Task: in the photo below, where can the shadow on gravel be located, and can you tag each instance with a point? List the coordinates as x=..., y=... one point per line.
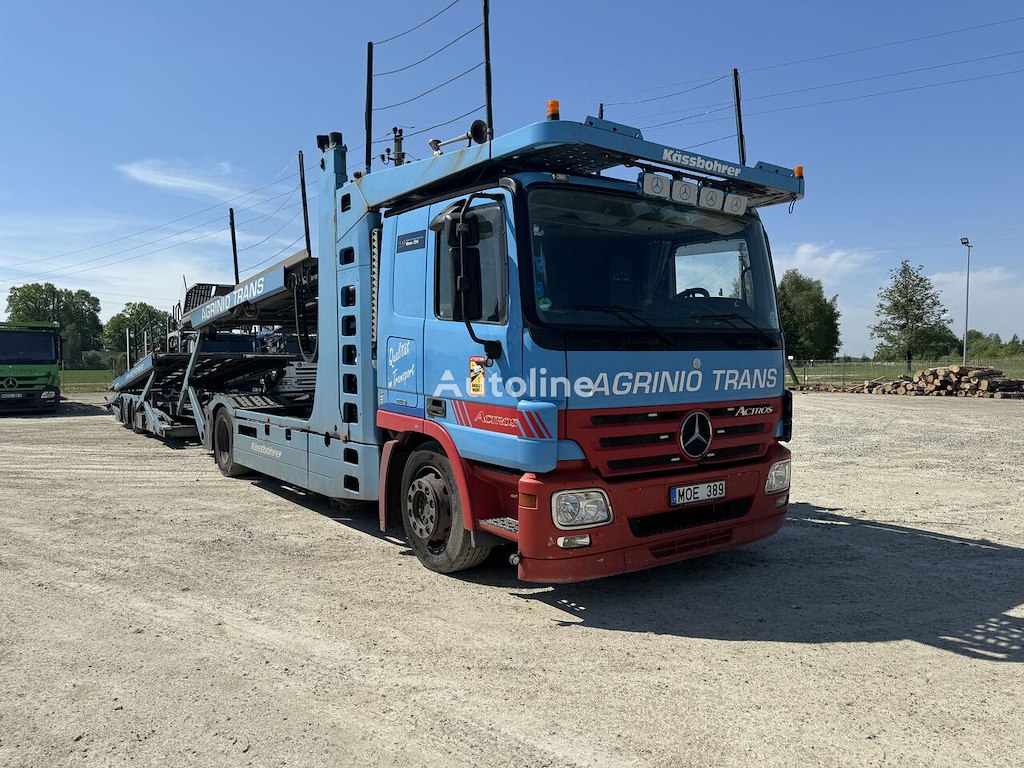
x=67, y=408
x=359, y=516
x=824, y=578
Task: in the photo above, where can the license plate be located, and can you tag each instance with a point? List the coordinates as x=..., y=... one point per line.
x=10, y=394
x=696, y=493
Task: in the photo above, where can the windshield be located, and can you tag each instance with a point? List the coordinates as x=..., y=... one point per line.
x=609, y=261
x=25, y=347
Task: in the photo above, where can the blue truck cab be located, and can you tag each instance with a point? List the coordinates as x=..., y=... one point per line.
x=514, y=347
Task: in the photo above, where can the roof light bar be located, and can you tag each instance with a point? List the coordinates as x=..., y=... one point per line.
x=688, y=193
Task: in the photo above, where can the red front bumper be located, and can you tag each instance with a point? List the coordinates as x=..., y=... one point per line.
x=646, y=531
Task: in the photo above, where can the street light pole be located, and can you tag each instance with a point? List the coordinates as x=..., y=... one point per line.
x=967, y=301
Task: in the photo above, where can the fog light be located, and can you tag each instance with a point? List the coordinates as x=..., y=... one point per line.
x=580, y=509
x=572, y=542
x=782, y=501
x=48, y=395
x=778, y=477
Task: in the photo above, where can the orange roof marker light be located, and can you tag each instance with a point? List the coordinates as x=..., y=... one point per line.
x=799, y=171
x=553, y=113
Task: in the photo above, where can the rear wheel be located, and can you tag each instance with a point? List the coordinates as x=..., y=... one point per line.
x=133, y=414
x=123, y=414
x=432, y=514
x=223, y=444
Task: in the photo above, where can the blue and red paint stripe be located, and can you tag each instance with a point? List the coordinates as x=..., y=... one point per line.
x=497, y=418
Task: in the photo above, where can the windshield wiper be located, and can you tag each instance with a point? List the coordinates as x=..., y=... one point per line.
x=746, y=321
x=617, y=309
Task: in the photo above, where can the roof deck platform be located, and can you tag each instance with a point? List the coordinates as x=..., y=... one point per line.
x=563, y=146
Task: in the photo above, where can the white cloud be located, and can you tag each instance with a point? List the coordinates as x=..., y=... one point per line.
x=850, y=273
x=996, y=295
x=214, y=183
x=822, y=262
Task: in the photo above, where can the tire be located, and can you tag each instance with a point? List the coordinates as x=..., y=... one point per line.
x=432, y=513
x=123, y=414
x=223, y=444
x=134, y=426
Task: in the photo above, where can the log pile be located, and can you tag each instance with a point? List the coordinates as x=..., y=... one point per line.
x=944, y=381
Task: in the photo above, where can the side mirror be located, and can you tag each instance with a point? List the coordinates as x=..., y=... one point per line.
x=468, y=302
x=462, y=229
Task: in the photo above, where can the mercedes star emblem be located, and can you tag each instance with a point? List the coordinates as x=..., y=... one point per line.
x=695, y=435
x=10, y=383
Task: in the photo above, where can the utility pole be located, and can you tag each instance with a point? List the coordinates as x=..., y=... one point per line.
x=967, y=301
x=234, y=243
x=487, y=69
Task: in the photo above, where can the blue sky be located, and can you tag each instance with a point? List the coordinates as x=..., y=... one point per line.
x=120, y=117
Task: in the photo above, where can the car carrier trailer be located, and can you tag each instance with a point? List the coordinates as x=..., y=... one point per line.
x=213, y=353
x=517, y=346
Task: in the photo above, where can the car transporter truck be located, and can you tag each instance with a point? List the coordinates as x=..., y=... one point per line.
x=564, y=340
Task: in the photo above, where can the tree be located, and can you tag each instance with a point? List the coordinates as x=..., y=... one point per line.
x=140, y=318
x=984, y=346
x=911, y=318
x=92, y=361
x=1014, y=347
x=809, y=320
x=78, y=313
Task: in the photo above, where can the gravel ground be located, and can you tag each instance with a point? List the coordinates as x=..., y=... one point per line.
x=153, y=612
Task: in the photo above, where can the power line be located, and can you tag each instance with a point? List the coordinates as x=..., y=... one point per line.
x=605, y=96
x=886, y=45
x=243, y=226
x=422, y=23
x=276, y=180
x=274, y=256
x=275, y=212
x=712, y=141
x=888, y=74
x=432, y=55
x=272, y=234
x=857, y=98
x=668, y=95
x=429, y=90
x=94, y=259
x=727, y=104
x=689, y=117
x=75, y=271
x=447, y=122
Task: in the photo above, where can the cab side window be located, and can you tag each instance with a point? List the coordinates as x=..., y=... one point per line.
x=491, y=270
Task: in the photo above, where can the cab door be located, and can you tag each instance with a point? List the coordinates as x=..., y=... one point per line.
x=402, y=309
x=476, y=398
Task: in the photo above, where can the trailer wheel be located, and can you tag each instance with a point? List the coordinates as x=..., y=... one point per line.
x=432, y=513
x=223, y=443
x=134, y=423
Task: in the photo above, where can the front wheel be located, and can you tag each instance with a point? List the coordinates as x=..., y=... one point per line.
x=432, y=514
x=223, y=443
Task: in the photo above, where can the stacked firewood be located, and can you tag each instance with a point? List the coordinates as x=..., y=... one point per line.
x=944, y=381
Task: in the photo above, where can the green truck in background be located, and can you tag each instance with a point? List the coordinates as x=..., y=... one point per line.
x=30, y=355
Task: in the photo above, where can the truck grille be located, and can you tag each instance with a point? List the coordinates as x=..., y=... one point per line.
x=690, y=544
x=681, y=518
x=24, y=382
x=638, y=440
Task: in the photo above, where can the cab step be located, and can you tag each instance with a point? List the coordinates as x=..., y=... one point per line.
x=506, y=527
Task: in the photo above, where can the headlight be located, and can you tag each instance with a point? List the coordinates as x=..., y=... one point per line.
x=49, y=394
x=580, y=509
x=778, y=477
